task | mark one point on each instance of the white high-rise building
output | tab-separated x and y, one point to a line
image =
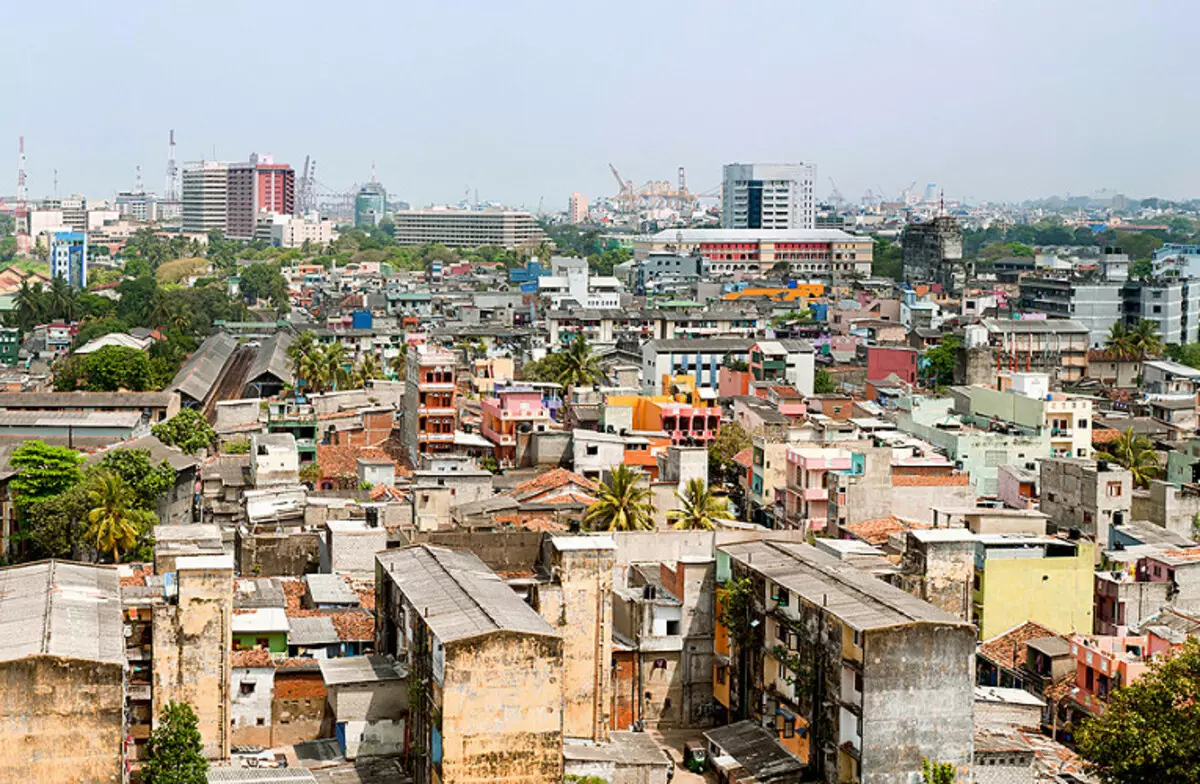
205	196
769	196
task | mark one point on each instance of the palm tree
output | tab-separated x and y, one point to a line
331	366
301	352
368	369
399	364
623	504
112	521
543	251
1145	340
580	366
699	509
1136	454
30	304
1119	342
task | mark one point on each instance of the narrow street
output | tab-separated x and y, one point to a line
672	742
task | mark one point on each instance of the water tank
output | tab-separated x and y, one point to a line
361	319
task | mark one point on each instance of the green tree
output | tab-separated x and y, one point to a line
731	439
51	527
113	368
188	430
1138	244
546	369
823	383
623	503
1145	340
887	260
1148	731
264	281
579	365
1134	453
148	482
940	361
175	753
1187	354
699	509
937	772
44	471
1118	343
115	524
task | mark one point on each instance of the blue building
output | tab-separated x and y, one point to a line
529	274
68	257
370	205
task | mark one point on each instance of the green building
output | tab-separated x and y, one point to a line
10	344
370	204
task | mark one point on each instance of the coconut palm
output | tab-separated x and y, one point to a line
331	367
1119	342
699	509
399	364
623	504
579	365
301	351
114	524
30	304
368	369
543	252
1136	454
1145	340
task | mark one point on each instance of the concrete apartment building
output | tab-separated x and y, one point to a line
257	187
753	252
577	209
62	666
769	196
856	677
700	358
1058	347
430	416
486	669
205	196
69	257
1086	495
933	252
466	228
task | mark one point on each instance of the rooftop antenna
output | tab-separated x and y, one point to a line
373	171
22	211
137	182
56	182
172	171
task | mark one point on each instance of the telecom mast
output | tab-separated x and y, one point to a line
22	212
172	193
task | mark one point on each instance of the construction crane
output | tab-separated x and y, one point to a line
304	194
626	199
836	195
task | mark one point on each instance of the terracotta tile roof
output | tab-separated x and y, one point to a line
575	498
140	573
336	461
384	493
366	598
354	626
1008	649
258	657
1191	554
1105	435
530	522
1060	688
518	575
922	480
297	663
293	594
744	458
556	477
879	530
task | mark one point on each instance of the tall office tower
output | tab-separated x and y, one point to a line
769	196
370	204
256	188
68	257
205	196
578	211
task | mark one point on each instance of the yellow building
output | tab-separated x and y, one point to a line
1042	579
802	292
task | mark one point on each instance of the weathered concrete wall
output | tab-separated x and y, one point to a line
502	711
916	502
918	701
940	573
251	691
192	643
354	551
550	447
1171	508
369	701
585	620
616	772
61	720
278	555
299	709
382	738
503	551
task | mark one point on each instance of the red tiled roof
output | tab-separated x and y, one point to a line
879	530
1007	649
744	458
530	522
354	626
256	657
297	663
336	461
926	480
556	477
1104	435
385	493
140	573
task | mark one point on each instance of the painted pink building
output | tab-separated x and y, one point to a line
685	423
511	414
884	361
806	497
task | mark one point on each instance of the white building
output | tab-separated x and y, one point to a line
139	205
205	196
769	196
572	283
292	231
466	228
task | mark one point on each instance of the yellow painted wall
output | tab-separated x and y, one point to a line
1055	592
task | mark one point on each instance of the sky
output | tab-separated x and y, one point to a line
525	101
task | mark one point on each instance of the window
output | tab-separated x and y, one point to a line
672	627
262	642
789	726
1114	489
260	721
1090	679
247	687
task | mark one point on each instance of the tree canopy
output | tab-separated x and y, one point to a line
175	753
188	430
623	503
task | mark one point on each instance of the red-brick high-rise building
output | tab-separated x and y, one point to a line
259	186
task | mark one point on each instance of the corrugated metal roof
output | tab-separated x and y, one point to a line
200	373
457	595
232	775
315	630
59	608
858	599
272	359
329	589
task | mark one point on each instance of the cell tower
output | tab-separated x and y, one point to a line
172	193
22	212
137	180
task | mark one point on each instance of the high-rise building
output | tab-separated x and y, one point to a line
139	205
933	252
370	204
430	415
205	196
466	228
68	257
578	210
259	186
769	196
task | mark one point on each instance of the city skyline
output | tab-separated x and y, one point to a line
999	104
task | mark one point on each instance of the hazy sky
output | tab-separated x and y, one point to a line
524	100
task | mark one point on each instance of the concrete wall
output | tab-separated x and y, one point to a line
502	551
940	573
373	701
278	555
251	713
298	713
1172	508
354	551
61	720
382	738
549	448
192	642
918	700
1075	494
916	502
502	713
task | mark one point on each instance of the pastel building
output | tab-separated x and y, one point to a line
510	417
1019	578
806	495
430	415
681	422
790	362
69	257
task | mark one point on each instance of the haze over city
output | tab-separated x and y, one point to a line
529	101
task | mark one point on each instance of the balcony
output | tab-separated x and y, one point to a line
436	410
814	494
436	437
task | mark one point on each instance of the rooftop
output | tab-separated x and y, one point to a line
747	235
1048	326
60	608
457	595
329	589
756	750
371	668
1008	648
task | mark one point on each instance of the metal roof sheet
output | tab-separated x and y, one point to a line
200	373
59	608
272	359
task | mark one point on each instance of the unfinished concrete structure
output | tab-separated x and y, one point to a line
933	252
484	669
577	601
193	638
938	567
859	678
62	661
1087	495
